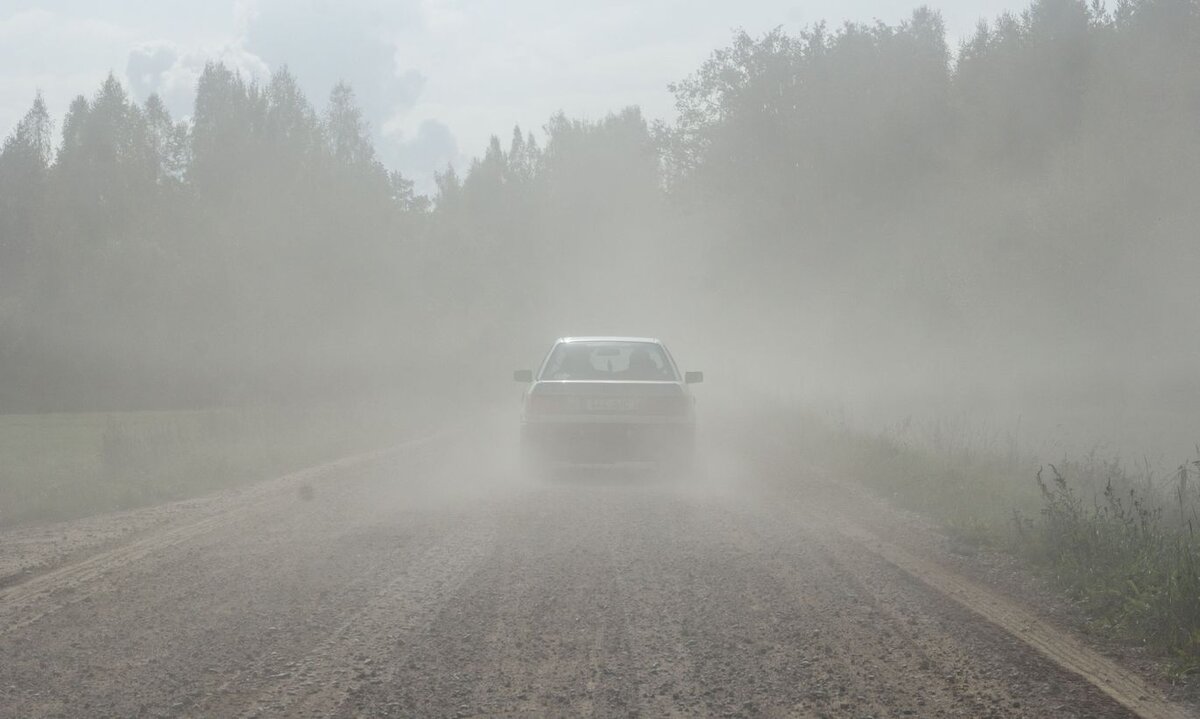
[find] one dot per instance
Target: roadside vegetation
(1122, 542)
(65, 466)
(1126, 545)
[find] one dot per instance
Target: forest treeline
(860, 197)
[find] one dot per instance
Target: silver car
(607, 400)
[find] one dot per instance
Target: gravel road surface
(435, 580)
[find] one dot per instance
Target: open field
(63, 466)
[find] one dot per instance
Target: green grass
(972, 494)
(1130, 555)
(64, 466)
(1123, 543)
(966, 481)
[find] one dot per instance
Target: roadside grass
(971, 489)
(65, 466)
(969, 482)
(1129, 552)
(1123, 543)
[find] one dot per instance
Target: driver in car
(641, 366)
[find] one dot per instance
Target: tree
(24, 167)
(348, 135)
(227, 134)
(169, 141)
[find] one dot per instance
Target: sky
(435, 78)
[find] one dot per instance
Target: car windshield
(609, 360)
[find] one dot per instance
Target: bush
(1129, 556)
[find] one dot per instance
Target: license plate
(611, 404)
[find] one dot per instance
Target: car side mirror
(693, 377)
(523, 375)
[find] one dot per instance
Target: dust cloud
(865, 221)
(262, 454)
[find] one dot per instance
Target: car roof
(650, 340)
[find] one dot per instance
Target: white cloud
(359, 42)
(26, 27)
(244, 12)
(172, 71)
(60, 55)
(442, 15)
(420, 154)
(353, 41)
(435, 78)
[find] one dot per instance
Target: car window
(628, 361)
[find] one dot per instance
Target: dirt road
(435, 580)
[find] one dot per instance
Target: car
(608, 400)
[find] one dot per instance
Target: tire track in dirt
(533, 632)
(328, 677)
(44, 594)
(873, 644)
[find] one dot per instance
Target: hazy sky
(435, 77)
